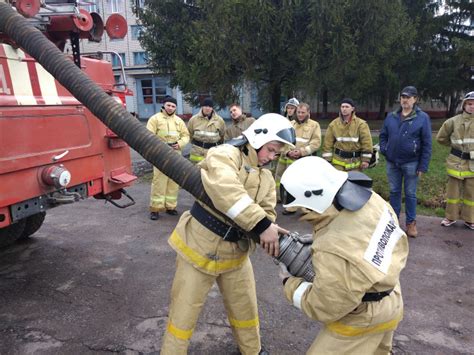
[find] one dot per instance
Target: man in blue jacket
(405, 140)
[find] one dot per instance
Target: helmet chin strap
(355, 192)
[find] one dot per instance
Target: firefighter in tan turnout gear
(308, 141)
(458, 133)
(210, 251)
(358, 252)
(172, 130)
(348, 142)
(207, 130)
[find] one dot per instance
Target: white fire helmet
(270, 127)
(312, 183)
(293, 102)
(468, 96)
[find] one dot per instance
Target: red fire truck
(53, 151)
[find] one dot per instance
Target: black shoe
(263, 351)
(154, 216)
(286, 212)
(172, 212)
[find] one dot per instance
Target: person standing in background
(458, 133)
(348, 142)
(240, 122)
(308, 141)
(170, 129)
(405, 140)
(289, 111)
(207, 130)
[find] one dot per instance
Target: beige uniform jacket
(205, 130)
(308, 139)
(238, 126)
(353, 253)
(169, 129)
(350, 137)
(243, 192)
(458, 133)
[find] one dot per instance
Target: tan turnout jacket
(205, 130)
(308, 139)
(242, 191)
(458, 133)
(238, 126)
(353, 136)
(169, 129)
(353, 253)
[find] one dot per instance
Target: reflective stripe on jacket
(353, 136)
(205, 130)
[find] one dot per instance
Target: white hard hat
(293, 102)
(311, 182)
(270, 127)
(468, 96)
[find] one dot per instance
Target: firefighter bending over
(209, 250)
(359, 251)
(172, 130)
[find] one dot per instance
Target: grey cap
(409, 91)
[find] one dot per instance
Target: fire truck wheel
(10, 234)
(33, 223)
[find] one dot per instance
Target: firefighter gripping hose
(114, 116)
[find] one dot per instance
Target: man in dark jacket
(405, 140)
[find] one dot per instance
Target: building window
(116, 6)
(136, 30)
(140, 58)
(139, 4)
(116, 60)
(147, 91)
(90, 5)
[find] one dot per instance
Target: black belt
(204, 145)
(216, 226)
(460, 154)
(346, 155)
(375, 296)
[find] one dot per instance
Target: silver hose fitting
(295, 254)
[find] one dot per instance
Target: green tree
(453, 46)
(214, 46)
(356, 46)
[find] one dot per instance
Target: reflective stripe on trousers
(164, 192)
(460, 199)
(195, 158)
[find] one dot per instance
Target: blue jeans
(403, 174)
